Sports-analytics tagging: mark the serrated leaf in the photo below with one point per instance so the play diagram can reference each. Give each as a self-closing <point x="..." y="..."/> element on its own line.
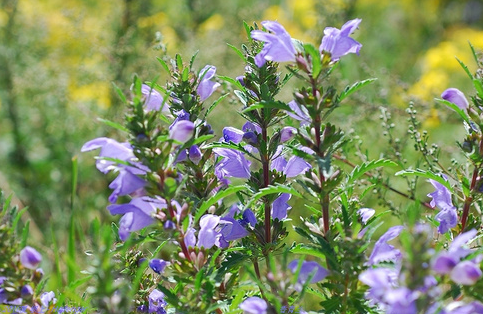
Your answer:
<point x="113" y="124"/>
<point x="231" y="81"/>
<point x="315" y="56"/>
<point x="473" y="51"/>
<point x="426" y="174"/>
<point x="268" y="105"/>
<point x="192" y="60"/>
<point x="361" y="169"/>
<point x="213" y="105"/>
<point x="272" y="190"/>
<point x="354" y="87"/>
<point x="238" y="52"/>
<point x="458" y="110"/>
<point x="305" y="249"/>
<point x="215" y="198"/>
<point x="164" y="65"/>
<point x="465" y="68"/>
<point x="119" y="92"/>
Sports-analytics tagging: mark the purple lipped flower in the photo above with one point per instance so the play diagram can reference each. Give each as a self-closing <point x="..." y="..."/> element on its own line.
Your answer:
<point x="195" y="154"/>
<point x="249" y="218"/>
<point x="190" y="237"/>
<point x="250" y="138"/>
<point x="307" y="269"/>
<point x="380" y="280"/>
<point x="251" y="127"/>
<point x="138" y="214"/>
<point x="206" y="87"/>
<point x="124" y="184"/>
<point x="447" y="218"/>
<point x="181" y="115"/>
<point x="366" y="214"/>
<point x="232" y="229"/>
<point x="280" y="206"/>
<point x="287" y="133"/>
<point x="233" y="164"/>
<point x="441" y="198"/>
<point x="384" y="252"/>
<point x="241" y="80"/>
<point x="401" y="300"/>
<point x="158" y="265"/>
<point x="153" y="99"/>
<point x="26" y="291"/>
<point x="254" y="305"/>
<point x="157" y="303"/>
<point x="277" y="46"/>
<point x="30" y="258"/>
<point x="299" y="113"/>
<point x="466" y="273"/>
<point x="182" y="131"/>
<point x="2" y="279"/>
<point x="47" y="297"/>
<point x="455" y="96"/>
<point x="208" y="236"/>
<point x="444" y="263"/>
<point x="3" y="296"/>
<point x="338" y="43"/>
<point x="291" y="168"/>
<point x="231" y="134"/>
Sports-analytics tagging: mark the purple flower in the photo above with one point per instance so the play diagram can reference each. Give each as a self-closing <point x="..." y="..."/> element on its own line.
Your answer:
<point x="251" y="127"/>
<point x="338" y="43"/>
<point x="232" y="229"/>
<point x="30" y="258"/>
<point x="441" y="198"/>
<point x="181" y="115"/>
<point x="158" y="265"/>
<point x="278" y="46"/>
<point x="291" y="168"/>
<point x="401" y="300"/>
<point x="280" y="206"/>
<point x="157" y="302"/>
<point x="47" y="297"/>
<point x="307" y="269"/>
<point x="153" y="99"/>
<point x="287" y="133"/>
<point x="207" y="236"/>
<point x="206" y="87"/>
<point x="466" y="273"/>
<point x="366" y="214"/>
<point x="455" y="96"/>
<point x="299" y="113"/>
<point x="195" y="154"/>
<point x="231" y="134"/>
<point x="3" y="296"/>
<point x="248" y="218"/>
<point x="254" y="305"/>
<point x="124" y="184"/>
<point x="138" y="214"/>
<point x="182" y="131"/>
<point x="26" y="291"/>
<point x="233" y="164"/>
<point x="384" y="252"/>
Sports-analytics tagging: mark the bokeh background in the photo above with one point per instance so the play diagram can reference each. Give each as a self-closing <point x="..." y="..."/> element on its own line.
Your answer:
<point x="59" y="60"/>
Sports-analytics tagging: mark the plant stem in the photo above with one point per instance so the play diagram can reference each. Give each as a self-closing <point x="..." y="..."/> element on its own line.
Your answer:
<point x="469" y="199"/>
<point x="181" y="238"/>
<point x="266" y="183"/>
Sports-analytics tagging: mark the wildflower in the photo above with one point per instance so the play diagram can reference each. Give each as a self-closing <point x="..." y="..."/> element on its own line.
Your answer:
<point x="308" y="270"/>
<point x="441" y="198"/>
<point x="299" y="113"/>
<point x="30" y="258"/>
<point x="466" y="273"/>
<point x="124" y="184"/>
<point x="338" y="43"/>
<point x="182" y="131"/>
<point x="278" y="46"/>
<point x="366" y="214"/>
<point x="195" y="154"/>
<point x="384" y="252"/>
<point x="158" y="265"/>
<point x="157" y="302"/>
<point x="233" y="164"/>
<point x="280" y="206"/>
<point x="455" y="96"/>
<point x="294" y="166"/>
<point x="26" y="291"/>
<point x="287" y="133"/>
<point x="207" y="236"/>
<point x="231" y="134"/>
<point x="153" y="99"/>
<point x="206" y="87"/>
<point x="254" y="305"/>
<point x="47" y="297"/>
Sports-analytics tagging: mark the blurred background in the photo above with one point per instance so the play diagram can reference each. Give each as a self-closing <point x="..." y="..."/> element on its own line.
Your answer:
<point x="60" y="58"/>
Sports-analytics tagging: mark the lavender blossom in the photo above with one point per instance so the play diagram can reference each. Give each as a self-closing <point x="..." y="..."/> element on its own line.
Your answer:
<point x="338" y="43"/>
<point x="278" y="46"/>
<point x="251" y="127"/>
<point x="153" y="99"/>
<point x="30" y="258"/>
<point x="195" y="154"/>
<point x="231" y="134"/>
<point x="366" y="214"/>
<point x="233" y="164"/>
<point x="280" y="206"/>
<point x="26" y="291"/>
<point x="124" y="184"/>
<point x="206" y="87"/>
<point x="47" y="297"/>
<point x="466" y="273"/>
<point x="384" y="252"/>
<point x="182" y="131"/>
<point x="157" y="302"/>
<point x="307" y="270"/>
<point x="287" y="133"/>
<point x="207" y="236"/>
<point x="293" y="167"/>
<point x="299" y="113"/>
<point x="158" y="265"/>
<point x="455" y="96"/>
<point x="254" y="305"/>
<point x="441" y="198"/>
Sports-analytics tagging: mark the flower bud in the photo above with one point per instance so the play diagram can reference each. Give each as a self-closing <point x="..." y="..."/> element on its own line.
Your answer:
<point x="455" y="96"/>
<point x="157" y="265"/>
<point x="195" y="154"/>
<point x="287" y="133"/>
<point x="250" y="138"/>
<point x="182" y="131"/>
<point x="30" y="258"/>
<point x="26" y="291"/>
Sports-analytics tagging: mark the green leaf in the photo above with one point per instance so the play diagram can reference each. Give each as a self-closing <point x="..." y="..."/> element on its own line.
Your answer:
<point x="25" y="233"/>
<point x="478" y="86"/>
<point x="113" y="124"/>
<point x="465" y="68"/>
<point x="268" y="105"/>
<point x="231" y="81"/>
<point x="179" y="62"/>
<point x="315" y="56"/>
<point x="215" y="104"/>
<point x="458" y="110"/>
<point x="426" y="174"/>
<point x="170" y="186"/>
<point x="119" y="92"/>
<point x="193" y="59"/>
<point x="475" y="55"/>
<point x="305" y="249"/>
<point x="185" y="74"/>
<point x="238" y="52"/>
<point x="215" y="198"/>
<point x="361" y="169"/>
<point x="356" y="86"/>
<point x="164" y="65"/>
<point x="272" y="190"/>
